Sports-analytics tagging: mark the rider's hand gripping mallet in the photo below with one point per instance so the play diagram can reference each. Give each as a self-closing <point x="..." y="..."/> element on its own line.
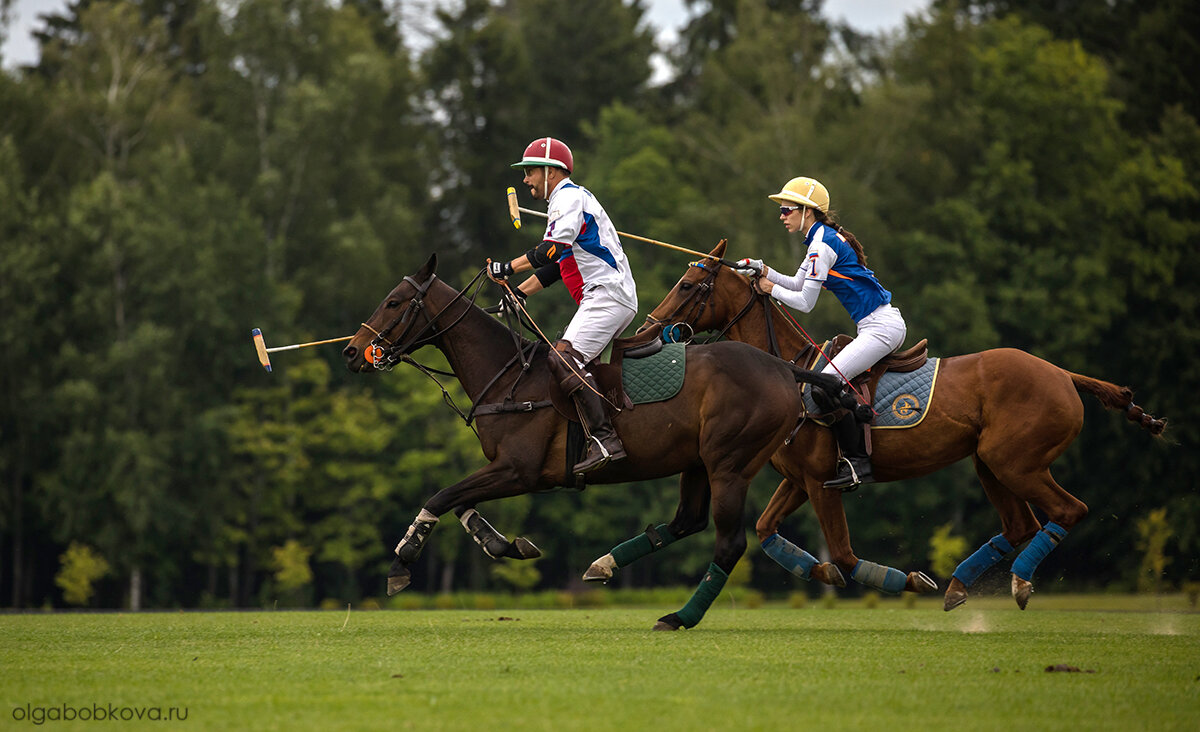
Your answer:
<point x="261" y="347"/>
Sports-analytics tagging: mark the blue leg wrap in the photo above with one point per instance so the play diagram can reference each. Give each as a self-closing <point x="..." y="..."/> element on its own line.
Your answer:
<point x="984" y="558"/>
<point x="1028" y="560"/>
<point x="882" y="578"/>
<point x="789" y="556"/>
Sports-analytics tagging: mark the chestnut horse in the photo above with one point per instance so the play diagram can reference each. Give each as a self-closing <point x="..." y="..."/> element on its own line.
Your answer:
<point x="736" y="407"/>
<point x="1011" y="412"/>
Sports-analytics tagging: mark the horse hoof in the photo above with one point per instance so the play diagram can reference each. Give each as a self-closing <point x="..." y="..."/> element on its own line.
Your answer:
<point x="597" y="573"/>
<point x="1021" y="590"/>
<point x="828" y="573"/>
<point x="956" y="594"/>
<point x="398" y="580"/>
<point x="526" y="548"/>
<point x="920" y="583"/>
<point x="669" y="622"/>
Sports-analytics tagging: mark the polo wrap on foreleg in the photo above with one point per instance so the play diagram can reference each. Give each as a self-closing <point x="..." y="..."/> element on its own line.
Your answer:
<point x="409" y="547"/>
<point x="1040" y="546"/>
<point x="789" y="556"/>
<point x="984" y="558"/>
<point x="702" y="598"/>
<point x="651" y="540"/>
<point x="884" y="579"/>
<point x="485" y="535"/>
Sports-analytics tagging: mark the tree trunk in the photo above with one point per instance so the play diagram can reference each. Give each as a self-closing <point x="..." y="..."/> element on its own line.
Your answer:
<point x="135" y="589"/>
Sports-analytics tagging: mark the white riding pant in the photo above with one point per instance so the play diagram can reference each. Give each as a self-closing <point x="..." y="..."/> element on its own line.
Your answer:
<point x="879" y="334"/>
<point x="600" y="318"/>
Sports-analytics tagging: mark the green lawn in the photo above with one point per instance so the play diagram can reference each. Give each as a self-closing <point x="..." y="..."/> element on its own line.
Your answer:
<point x="847" y="667"/>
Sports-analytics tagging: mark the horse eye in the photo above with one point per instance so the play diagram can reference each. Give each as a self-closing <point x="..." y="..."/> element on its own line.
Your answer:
<point x="392" y="304"/>
<point x="685" y="286"/>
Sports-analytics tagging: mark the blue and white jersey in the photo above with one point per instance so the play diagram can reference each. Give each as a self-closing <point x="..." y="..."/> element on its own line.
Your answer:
<point x="832" y="261"/>
<point x="590" y="252"/>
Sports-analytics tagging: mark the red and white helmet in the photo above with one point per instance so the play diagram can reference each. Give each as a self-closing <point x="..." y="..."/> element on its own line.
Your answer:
<point x="547" y="151"/>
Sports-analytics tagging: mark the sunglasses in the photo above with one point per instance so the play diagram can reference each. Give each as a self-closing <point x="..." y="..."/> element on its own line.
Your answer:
<point x="787" y="210"/>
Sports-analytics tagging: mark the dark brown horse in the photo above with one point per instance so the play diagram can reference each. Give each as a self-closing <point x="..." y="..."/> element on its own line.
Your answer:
<point x="736" y="407"/>
<point x="1012" y="413"/>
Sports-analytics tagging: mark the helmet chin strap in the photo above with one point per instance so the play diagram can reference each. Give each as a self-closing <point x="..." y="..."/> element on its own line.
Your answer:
<point x="546" y="183"/>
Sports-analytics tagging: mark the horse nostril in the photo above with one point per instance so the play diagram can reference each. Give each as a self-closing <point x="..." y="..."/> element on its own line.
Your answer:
<point x="350" y="352"/>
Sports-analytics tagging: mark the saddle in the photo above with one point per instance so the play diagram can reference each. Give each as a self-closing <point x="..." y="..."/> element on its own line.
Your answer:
<point x="609" y="375"/>
<point x="909" y="359"/>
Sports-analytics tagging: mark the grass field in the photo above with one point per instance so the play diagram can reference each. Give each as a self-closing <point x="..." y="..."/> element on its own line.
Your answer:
<point x="846" y="667"/>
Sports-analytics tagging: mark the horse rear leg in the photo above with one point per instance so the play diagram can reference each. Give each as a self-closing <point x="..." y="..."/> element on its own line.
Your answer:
<point x="690" y="518"/>
<point x="788" y="497"/>
<point x="1063" y="510"/>
<point x="1017" y="524"/>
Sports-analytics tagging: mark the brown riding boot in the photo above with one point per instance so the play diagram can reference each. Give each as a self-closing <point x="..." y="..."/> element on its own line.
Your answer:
<point x="604" y="445"/>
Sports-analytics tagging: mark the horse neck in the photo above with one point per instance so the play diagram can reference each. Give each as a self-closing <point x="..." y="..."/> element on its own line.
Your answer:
<point x="476" y="348"/>
<point x="752" y="327"/>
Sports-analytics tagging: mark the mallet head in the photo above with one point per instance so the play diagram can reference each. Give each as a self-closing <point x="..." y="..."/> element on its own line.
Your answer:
<point x="261" y="348"/>
<point x="514" y="213"/>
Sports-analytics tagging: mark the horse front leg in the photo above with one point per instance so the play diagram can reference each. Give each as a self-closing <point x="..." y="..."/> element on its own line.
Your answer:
<point x="493" y="481"/>
<point x="788" y="497"/>
<point x="690" y="518"/>
<point x="728" y="509"/>
<point x="493" y="543"/>
<point x="827" y="504"/>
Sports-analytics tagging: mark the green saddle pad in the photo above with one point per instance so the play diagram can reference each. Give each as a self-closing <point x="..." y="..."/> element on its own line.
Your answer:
<point x="654" y="378"/>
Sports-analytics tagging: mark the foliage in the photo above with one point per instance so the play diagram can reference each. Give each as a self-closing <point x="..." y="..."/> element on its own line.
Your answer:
<point x="81" y="567"/>
<point x="1021" y="174"/>
<point x="1153" y="534"/>
<point x="946" y="550"/>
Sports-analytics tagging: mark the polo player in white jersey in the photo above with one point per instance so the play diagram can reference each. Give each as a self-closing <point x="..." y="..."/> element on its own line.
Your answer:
<point x="581" y="248"/>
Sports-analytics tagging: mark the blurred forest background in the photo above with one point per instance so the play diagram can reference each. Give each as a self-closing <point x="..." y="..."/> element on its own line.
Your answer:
<point x="173" y="173"/>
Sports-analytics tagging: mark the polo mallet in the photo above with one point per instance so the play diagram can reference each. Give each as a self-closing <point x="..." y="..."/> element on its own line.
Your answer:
<point x="261" y="347"/>
<point x="515" y="211"/>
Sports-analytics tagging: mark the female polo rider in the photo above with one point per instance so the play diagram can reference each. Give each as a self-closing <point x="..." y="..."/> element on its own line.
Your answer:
<point x="835" y="261"/>
<point x="581" y="248"/>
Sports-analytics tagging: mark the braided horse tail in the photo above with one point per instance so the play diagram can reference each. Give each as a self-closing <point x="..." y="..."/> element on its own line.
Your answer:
<point x="1119" y="397"/>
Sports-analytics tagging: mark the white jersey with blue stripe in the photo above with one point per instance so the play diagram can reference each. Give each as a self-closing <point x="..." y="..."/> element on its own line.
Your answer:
<point x="591" y="254"/>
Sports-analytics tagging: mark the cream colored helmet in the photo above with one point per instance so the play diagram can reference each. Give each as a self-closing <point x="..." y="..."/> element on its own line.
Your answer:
<point x="804" y="191"/>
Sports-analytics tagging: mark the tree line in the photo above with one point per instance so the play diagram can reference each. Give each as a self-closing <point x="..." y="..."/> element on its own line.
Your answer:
<point x="176" y="173"/>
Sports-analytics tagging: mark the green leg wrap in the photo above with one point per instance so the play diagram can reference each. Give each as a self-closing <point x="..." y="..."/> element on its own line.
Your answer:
<point x="702" y="599"/>
<point x="651" y="540"/>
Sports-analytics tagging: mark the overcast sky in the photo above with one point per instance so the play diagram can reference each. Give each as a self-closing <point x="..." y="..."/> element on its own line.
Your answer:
<point x="666" y="15"/>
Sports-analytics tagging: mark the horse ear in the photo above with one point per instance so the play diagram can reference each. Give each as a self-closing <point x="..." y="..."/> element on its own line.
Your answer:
<point x="428" y="268"/>
<point x="719" y="250"/>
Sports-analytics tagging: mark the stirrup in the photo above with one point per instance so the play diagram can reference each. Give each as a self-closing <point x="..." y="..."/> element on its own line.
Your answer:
<point x="848" y="483"/>
<point x="600" y="462"/>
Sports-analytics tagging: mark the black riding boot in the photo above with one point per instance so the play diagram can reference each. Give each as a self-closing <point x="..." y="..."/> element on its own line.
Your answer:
<point x="854" y="468"/>
<point x="605" y="446"/>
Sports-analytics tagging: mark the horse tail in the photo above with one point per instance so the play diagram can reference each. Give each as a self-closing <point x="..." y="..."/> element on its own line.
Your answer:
<point x="1119" y="397"/>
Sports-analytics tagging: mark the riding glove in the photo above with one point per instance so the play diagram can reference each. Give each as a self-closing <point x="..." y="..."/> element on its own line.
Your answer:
<point x="499" y="270"/>
<point x="750" y="267"/>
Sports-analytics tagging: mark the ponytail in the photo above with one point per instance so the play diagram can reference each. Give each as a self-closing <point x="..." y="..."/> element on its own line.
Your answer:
<point x="829" y="218"/>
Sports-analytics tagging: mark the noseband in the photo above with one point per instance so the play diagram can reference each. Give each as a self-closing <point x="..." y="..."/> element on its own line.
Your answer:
<point x="384" y="352"/>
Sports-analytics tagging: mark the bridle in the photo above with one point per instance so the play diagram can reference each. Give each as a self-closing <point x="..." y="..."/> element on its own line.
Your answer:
<point x="385" y="351"/>
<point x="698" y="299"/>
